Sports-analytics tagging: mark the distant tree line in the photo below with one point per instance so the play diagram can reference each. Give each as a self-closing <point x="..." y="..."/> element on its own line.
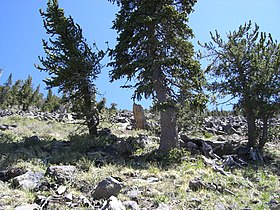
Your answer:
<point x="22" y="95"/>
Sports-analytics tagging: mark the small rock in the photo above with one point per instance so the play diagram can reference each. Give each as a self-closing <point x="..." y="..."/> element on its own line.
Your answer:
<point x="69" y="197"/>
<point x="220" y="206"/>
<point x="107" y="187"/>
<point x="61" y="189"/>
<point x="40" y="199"/>
<point x="274" y="205"/>
<point x="29" y="180"/>
<point x="28" y="207"/>
<point x="195" y="185"/>
<point x="131" y="205"/>
<point x="113" y="204"/>
<point x="61" y="173"/>
<point x="134" y="194"/>
<point x="8" y="174"/>
<point x="152" y="179"/>
<point x="85" y="201"/>
<point x="162" y="206"/>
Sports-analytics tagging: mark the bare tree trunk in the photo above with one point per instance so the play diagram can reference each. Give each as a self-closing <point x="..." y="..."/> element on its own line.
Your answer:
<point x="252" y="132"/>
<point x="139" y="116"/>
<point x="89" y="111"/>
<point x="264" y="137"/>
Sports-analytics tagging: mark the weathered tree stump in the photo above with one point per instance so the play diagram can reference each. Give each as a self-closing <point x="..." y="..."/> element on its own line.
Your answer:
<point x="139" y="116"/>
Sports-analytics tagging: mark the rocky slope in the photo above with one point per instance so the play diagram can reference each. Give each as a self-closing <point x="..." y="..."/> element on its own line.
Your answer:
<point x="48" y="162"/>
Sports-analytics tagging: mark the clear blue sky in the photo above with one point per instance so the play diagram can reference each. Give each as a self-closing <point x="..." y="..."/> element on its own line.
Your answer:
<point x="22" y="31"/>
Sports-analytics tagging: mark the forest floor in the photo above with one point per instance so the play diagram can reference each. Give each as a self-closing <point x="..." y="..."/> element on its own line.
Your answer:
<point x="178" y="180"/>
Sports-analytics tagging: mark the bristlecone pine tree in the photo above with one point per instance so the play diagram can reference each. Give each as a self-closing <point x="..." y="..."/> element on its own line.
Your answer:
<point x="152" y="48"/>
<point x="247" y="66"/>
<point x="70" y="62"/>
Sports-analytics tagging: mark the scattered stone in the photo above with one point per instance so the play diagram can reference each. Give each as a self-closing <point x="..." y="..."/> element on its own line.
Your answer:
<point x="28" y="181"/>
<point x="152" y="180"/>
<point x="122" y="148"/>
<point x="69" y="197"/>
<point x="27" y="207"/>
<point x="113" y="204"/>
<point x="10" y="173"/>
<point x="61" y="189"/>
<point x="196" y="185"/>
<point x="134" y="194"/>
<point x="106" y="188"/>
<point x="85" y="201"/>
<point x="220" y="206"/>
<point x="162" y="206"/>
<point x="61" y="173"/>
<point x="40" y="199"/>
<point x="131" y="205"/>
<point x="274" y="205"/>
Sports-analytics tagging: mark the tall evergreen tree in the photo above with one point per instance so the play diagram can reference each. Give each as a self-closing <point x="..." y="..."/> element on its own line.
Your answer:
<point x="6" y="92"/>
<point x="70" y="62"/>
<point x="247" y="66"/>
<point x="51" y="103"/>
<point x="153" y="47"/>
<point x="26" y="94"/>
<point x="37" y="98"/>
<point x="15" y="94"/>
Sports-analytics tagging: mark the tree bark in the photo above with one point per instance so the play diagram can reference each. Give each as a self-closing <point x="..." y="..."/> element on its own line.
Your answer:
<point x="264" y="137"/>
<point x="252" y="134"/>
<point x="89" y="111"/>
<point x="169" y="136"/>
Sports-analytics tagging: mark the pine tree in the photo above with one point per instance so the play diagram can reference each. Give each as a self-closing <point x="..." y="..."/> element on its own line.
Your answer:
<point x="51" y="103"/>
<point x="26" y="94"/>
<point x="153" y="47"/>
<point x="71" y="63"/>
<point x="247" y="67"/>
<point x="5" y="94"/>
<point x="15" y="91"/>
<point x="37" y="98"/>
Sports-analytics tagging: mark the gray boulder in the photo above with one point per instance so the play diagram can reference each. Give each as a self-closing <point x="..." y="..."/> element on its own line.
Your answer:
<point x="28" y="181"/>
<point x="107" y="188"/>
<point x="61" y="173"/>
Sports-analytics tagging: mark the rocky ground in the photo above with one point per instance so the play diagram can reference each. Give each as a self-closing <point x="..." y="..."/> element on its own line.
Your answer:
<point x="49" y="162"/>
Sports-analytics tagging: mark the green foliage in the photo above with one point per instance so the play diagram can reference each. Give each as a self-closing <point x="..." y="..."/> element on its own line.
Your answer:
<point x="153" y="47"/>
<point x="5" y="92"/>
<point x="71" y="63"/>
<point x="20" y="94"/>
<point x="26" y="93"/>
<point x="37" y="98"/>
<point x="51" y="103"/>
<point x="247" y="66"/>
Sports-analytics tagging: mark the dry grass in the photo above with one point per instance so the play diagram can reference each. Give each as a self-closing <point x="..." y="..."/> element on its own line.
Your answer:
<point x="158" y="179"/>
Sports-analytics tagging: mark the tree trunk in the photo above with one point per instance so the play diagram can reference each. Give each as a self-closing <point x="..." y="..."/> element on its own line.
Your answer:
<point x="252" y="132"/>
<point x="169" y="136"/>
<point x="92" y="124"/>
<point x="89" y="111"/>
<point x="264" y="134"/>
